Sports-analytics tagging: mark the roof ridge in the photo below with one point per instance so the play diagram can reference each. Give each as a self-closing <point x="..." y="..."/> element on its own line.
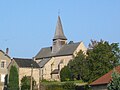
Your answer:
<point x="5" y="53"/>
<point x="23" y="58"/>
<point x="46" y="47"/>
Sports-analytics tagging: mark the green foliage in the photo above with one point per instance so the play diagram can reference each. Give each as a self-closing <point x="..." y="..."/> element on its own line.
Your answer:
<point x="100" y="58"/>
<point x="13" y="79"/>
<point x="79" y="67"/>
<point x="51" y="85"/>
<point x="25" y="83"/>
<point x="115" y="82"/>
<point x="65" y="74"/>
<point x="54" y="87"/>
<point x="69" y="86"/>
<point x="58" y="85"/>
<point x="87" y="87"/>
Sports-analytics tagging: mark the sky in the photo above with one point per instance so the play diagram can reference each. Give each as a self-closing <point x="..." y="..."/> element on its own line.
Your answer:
<point x="26" y="26"/>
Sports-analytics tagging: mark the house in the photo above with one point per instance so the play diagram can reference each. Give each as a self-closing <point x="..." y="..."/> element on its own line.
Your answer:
<point x="4" y="62"/>
<point x="25" y="67"/>
<point x="52" y="59"/>
<point x="102" y="82"/>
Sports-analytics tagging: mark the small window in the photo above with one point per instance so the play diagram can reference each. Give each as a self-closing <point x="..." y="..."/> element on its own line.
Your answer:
<point x="2" y="64"/>
<point x="58" y="66"/>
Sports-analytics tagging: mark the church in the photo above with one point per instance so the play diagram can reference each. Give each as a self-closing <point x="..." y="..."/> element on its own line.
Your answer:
<point x="53" y="58"/>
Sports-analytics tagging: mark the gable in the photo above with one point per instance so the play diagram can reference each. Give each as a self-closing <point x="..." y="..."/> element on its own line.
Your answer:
<point x="3" y="54"/>
<point x="4" y="57"/>
<point x="43" y="62"/>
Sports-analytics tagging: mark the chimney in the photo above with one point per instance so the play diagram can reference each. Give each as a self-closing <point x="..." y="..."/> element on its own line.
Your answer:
<point x="7" y="50"/>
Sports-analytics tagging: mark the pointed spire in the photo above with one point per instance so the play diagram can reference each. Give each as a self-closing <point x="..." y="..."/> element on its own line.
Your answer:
<point x="59" y="34"/>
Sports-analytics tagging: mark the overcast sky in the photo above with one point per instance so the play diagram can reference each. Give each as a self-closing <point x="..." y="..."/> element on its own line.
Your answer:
<point x="28" y="25"/>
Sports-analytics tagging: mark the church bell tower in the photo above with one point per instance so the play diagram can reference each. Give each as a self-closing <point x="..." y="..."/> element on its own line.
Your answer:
<point x="59" y="38"/>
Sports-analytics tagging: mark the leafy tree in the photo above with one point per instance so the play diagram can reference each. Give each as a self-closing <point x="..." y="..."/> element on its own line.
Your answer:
<point x="25" y="83"/>
<point x="102" y="57"/>
<point x="78" y="66"/>
<point x="115" y="82"/>
<point x="13" y="79"/>
<point x="65" y="74"/>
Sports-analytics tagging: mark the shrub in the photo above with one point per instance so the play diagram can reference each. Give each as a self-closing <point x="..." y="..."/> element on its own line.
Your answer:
<point x="25" y="83"/>
<point x="13" y="79"/>
<point x="115" y="82"/>
<point x="69" y="86"/>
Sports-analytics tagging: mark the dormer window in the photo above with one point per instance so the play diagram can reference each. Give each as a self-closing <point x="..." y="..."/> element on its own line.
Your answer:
<point x="2" y="64"/>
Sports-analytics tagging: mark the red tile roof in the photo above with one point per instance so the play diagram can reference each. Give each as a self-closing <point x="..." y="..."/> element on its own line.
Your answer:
<point x="105" y="79"/>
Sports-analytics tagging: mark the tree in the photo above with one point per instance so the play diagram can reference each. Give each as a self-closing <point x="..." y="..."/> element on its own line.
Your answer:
<point x="25" y="83"/>
<point x="13" y="79"/>
<point x="65" y="74"/>
<point x="115" y="82"/>
<point x="78" y="66"/>
<point x="102" y="57"/>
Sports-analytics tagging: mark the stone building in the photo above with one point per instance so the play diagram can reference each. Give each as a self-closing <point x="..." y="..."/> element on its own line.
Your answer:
<point x="24" y="67"/>
<point x="52" y="59"/>
<point x="4" y="62"/>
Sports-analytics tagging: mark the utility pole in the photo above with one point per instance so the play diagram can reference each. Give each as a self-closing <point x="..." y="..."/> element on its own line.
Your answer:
<point x="31" y="77"/>
<point x="39" y="79"/>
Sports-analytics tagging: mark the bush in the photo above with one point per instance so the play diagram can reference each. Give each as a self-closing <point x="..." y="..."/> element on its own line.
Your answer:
<point x="25" y="83"/>
<point x="69" y="86"/>
<point x="58" y="85"/>
<point x="54" y="87"/>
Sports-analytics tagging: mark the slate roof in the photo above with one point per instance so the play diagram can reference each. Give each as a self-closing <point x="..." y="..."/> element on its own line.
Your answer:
<point x="105" y="79"/>
<point x="26" y="63"/>
<point x="43" y="62"/>
<point x="67" y="49"/>
<point x="59" y="34"/>
<point x="56" y="71"/>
